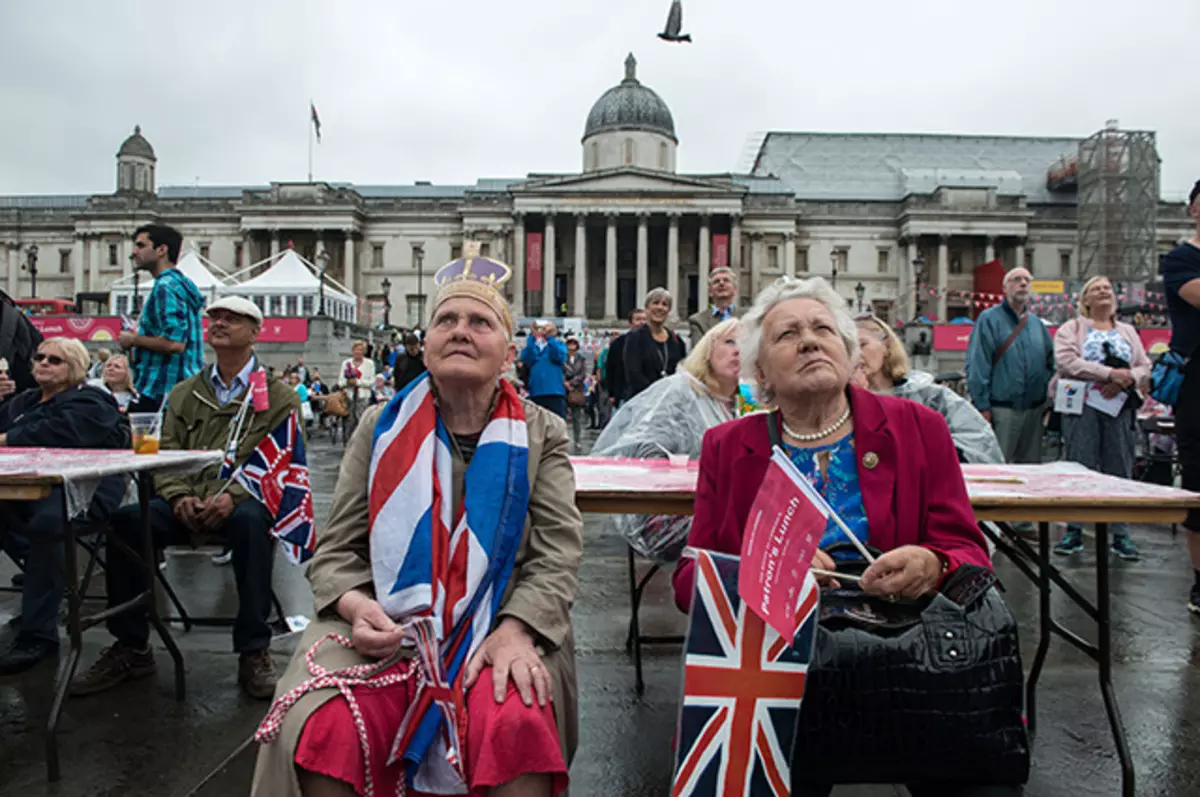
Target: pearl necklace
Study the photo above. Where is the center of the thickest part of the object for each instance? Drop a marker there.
(828, 430)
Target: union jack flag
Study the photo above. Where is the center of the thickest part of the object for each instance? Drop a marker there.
(742, 688)
(276, 473)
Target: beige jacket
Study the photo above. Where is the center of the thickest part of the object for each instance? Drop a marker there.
(703, 320)
(541, 591)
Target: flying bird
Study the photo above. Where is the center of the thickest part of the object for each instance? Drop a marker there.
(675, 24)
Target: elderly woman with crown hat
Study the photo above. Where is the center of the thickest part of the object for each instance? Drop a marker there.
(442, 652)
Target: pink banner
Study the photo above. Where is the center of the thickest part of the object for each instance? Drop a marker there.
(101, 329)
(720, 251)
(956, 337)
(533, 261)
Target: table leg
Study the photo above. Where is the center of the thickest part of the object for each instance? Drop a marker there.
(75, 636)
(1104, 643)
(1045, 624)
(145, 484)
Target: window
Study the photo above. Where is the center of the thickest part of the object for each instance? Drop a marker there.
(122, 305)
(416, 309)
(801, 260)
(1064, 263)
(64, 261)
(112, 255)
(258, 301)
(306, 304)
(629, 152)
(276, 305)
(843, 260)
(455, 252)
(376, 255)
(885, 256)
(956, 264)
(205, 248)
(594, 149)
(662, 156)
(291, 305)
(485, 250)
(773, 258)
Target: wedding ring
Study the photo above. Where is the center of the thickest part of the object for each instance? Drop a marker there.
(533, 668)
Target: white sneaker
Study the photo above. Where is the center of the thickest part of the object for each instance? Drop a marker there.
(222, 558)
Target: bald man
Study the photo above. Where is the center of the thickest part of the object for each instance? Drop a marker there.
(1010, 361)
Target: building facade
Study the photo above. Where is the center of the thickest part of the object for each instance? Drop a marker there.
(859, 208)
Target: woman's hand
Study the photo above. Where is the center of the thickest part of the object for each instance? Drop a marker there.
(823, 561)
(1122, 376)
(372, 632)
(909, 571)
(511, 653)
(1110, 390)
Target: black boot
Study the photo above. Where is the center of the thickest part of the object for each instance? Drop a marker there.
(25, 652)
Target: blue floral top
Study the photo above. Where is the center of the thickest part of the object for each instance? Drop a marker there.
(1093, 345)
(839, 486)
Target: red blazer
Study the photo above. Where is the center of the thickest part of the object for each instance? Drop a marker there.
(914, 495)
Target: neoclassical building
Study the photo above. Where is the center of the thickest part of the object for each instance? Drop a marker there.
(861, 208)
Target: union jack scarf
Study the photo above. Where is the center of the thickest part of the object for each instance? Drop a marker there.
(430, 558)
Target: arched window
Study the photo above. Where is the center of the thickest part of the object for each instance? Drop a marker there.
(662, 156)
(629, 152)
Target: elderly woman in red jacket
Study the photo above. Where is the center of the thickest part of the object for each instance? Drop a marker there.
(887, 465)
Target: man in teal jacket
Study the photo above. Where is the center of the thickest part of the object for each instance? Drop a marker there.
(1008, 375)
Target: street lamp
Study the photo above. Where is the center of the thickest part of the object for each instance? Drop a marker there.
(919, 274)
(418, 254)
(31, 265)
(860, 291)
(834, 257)
(323, 262)
(387, 302)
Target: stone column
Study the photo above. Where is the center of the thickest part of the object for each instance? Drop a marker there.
(757, 259)
(518, 265)
(244, 260)
(673, 264)
(789, 254)
(907, 282)
(643, 258)
(943, 266)
(123, 251)
(580, 307)
(735, 245)
(77, 253)
(13, 253)
(274, 242)
(348, 262)
(610, 268)
(93, 249)
(548, 308)
(1019, 253)
(705, 258)
(989, 251)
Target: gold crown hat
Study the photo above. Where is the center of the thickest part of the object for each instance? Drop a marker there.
(475, 277)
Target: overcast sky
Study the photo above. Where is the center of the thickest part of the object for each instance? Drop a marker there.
(461, 89)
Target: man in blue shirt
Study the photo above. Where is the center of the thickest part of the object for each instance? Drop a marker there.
(1010, 361)
(168, 346)
(545, 354)
(1180, 269)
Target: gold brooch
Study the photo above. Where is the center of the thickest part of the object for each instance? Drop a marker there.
(870, 460)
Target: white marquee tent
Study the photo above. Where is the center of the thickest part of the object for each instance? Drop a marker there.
(207, 275)
(291, 286)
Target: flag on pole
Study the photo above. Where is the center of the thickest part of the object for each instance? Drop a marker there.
(316, 120)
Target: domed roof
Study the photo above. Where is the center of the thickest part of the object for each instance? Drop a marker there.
(630, 106)
(137, 146)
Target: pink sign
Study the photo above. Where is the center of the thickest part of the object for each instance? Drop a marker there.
(956, 337)
(101, 329)
(533, 261)
(720, 251)
(279, 330)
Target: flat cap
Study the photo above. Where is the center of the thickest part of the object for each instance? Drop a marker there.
(239, 305)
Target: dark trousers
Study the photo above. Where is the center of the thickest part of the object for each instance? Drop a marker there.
(556, 404)
(27, 533)
(1187, 435)
(925, 790)
(247, 534)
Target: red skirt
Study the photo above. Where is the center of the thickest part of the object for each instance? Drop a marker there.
(504, 740)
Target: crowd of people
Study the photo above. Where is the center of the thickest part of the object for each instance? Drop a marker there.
(450, 556)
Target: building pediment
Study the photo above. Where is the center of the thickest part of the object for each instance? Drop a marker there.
(626, 181)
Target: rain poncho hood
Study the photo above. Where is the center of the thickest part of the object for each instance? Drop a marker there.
(973, 436)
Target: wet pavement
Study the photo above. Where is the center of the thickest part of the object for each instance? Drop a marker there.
(138, 741)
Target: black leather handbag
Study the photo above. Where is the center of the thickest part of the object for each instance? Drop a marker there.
(926, 691)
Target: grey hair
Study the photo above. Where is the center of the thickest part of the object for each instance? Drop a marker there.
(657, 294)
(782, 290)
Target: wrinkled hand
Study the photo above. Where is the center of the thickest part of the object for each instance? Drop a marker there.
(372, 632)
(909, 571)
(126, 338)
(7, 385)
(823, 561)
(215, 511)
(187, 511)
(511, 653)
(1122, 376)
(1110, 390)
(549, 330)
(987, 415)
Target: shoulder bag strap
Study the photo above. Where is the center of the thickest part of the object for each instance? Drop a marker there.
(773, 428)
(1000, 352)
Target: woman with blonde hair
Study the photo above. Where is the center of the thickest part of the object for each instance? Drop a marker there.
(116, 379)
(671, 417)
(883, 367)
(1108, 355)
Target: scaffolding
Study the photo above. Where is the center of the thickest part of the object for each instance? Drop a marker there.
(1118, 204)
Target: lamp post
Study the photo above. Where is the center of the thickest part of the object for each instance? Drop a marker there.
(31, 265)
(860, 291)
(833, 266)
(919, 274)
(387, 302)
(323, 262)
(418, 253)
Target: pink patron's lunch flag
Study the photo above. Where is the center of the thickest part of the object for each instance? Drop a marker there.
(783, 532)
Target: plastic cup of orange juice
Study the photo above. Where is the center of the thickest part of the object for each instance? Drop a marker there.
(145, 427)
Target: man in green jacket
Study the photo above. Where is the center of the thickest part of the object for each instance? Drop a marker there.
(202, 414)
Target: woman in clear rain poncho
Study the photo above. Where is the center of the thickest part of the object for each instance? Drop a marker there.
(672, 416)
(883, 368)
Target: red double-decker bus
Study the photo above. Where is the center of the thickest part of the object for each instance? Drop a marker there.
(46, 306)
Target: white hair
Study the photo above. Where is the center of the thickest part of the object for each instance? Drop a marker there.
(782, 290)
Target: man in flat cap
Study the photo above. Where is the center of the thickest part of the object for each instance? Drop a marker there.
(213, 410)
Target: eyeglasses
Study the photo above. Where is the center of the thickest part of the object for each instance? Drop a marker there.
(50, 358)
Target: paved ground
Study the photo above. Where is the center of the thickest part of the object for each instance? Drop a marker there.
(139, 742)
